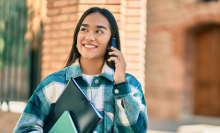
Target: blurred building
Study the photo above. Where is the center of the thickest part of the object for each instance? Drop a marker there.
(170, 46)
(182, 58)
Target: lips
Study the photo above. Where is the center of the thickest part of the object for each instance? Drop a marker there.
(89, 46)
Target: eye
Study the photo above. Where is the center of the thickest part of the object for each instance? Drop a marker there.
(99, 31)
(83, 29)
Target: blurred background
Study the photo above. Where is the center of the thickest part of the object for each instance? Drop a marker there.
(170, 46)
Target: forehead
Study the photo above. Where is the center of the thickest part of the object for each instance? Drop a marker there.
(95, 19)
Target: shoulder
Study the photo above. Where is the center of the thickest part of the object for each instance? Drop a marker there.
(132, 80)
(52, 86)
(58, 77)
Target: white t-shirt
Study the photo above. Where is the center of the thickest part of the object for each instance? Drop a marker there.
(95, 94)
(89, 78)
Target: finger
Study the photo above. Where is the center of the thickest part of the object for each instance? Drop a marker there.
(114, 49)
(115, 59)
(119, 55)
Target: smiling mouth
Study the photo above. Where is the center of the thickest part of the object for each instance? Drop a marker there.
(89, 46)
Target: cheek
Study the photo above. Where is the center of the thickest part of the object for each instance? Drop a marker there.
(79, 38)
(105, 46)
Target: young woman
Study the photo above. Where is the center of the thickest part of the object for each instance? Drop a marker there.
(117, 95)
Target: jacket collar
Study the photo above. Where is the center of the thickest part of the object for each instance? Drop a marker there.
(74, 71)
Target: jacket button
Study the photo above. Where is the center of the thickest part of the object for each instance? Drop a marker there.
(96, 81)
(116, 91)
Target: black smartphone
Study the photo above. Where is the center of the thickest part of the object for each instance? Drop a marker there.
(113, 43)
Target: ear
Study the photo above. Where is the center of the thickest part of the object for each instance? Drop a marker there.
(109, 47)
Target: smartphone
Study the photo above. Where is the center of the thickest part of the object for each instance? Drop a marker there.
(113, 43)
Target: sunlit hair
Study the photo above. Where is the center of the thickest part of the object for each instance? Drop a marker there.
(74, 53)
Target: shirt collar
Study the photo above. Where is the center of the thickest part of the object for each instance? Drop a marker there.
(74, 71)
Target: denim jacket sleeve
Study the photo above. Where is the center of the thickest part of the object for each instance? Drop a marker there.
(34, 113)
(133, 117)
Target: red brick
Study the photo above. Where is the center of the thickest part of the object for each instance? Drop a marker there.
(111, 8)
(57, 65)
(53, 11)
(133, 12)
(133, 19)
(133, 35)
(59, 50)
(61, 18)
(55, 50)
(45, 65)
(62, 10)
(50, 42)
(60, 3)
(69, 9)
(135, 50)
(132, 58)
(91, 1)
(117, 16)
(132, 42)
(132, 66)
(115, 2)
(55, 57)
(58, 34)
(57, 42)
(70, 25)
(133, 4)
(66, 41)
(133, 27)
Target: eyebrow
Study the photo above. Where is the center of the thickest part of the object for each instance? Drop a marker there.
(98, 26)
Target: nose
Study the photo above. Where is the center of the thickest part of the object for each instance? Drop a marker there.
(90, 36)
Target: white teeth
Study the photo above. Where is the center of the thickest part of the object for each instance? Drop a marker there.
(90, 46)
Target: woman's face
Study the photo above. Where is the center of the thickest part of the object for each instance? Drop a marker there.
(93, 36)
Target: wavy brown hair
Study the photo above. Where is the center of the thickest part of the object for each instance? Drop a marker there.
(74, 53)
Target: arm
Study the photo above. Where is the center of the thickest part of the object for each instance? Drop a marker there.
(132, 117)
(34, 114)
(130, 107)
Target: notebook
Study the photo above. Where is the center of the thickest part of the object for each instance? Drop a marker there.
(64, 124)
(84, 114)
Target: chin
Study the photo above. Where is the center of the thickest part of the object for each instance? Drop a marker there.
(91, 57)
(88, 57)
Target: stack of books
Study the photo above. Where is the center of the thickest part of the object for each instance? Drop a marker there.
(72, 113)
(64, 124)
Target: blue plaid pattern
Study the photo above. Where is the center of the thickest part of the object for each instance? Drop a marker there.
(130, 119)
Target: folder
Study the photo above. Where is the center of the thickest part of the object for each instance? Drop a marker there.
(64, 124)
(84, 114)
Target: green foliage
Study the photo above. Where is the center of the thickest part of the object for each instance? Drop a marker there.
(14, 49)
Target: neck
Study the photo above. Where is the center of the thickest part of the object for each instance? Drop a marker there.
(91, 66)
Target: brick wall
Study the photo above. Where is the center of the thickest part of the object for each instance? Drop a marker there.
(62, 17)
(134, 36)
(169, 82)
(58, 32)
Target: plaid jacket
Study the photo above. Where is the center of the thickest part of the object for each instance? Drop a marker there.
(130, 119)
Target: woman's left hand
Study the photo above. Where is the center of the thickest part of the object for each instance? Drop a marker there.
(120, 65)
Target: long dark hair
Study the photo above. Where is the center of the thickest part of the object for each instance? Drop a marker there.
(74, 54)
